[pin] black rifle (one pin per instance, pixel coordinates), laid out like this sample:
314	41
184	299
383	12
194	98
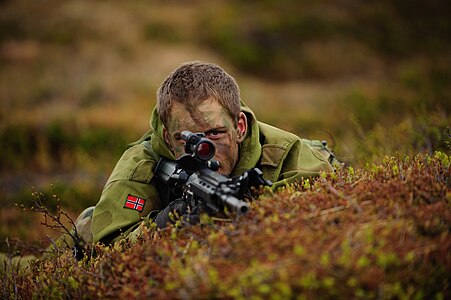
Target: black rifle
194	178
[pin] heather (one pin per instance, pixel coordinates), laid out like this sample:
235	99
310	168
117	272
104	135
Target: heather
378	232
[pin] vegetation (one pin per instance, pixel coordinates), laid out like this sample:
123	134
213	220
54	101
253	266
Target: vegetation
381	232
77	84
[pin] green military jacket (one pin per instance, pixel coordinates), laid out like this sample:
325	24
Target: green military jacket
130	193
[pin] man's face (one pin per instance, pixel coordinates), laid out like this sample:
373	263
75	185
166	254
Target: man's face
214	121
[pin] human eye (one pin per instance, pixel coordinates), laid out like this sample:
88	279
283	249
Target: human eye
214	133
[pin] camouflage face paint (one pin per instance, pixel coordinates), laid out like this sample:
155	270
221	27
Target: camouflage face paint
212	119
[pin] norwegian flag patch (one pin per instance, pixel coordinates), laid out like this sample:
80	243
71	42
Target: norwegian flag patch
134	203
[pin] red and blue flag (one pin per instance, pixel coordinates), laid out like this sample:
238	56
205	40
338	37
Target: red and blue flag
134	203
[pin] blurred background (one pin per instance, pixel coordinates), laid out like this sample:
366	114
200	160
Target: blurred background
78	82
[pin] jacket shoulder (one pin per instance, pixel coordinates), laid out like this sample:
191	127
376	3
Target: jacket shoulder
285	156
276	136
275	144
136	164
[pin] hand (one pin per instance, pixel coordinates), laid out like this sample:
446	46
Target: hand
192	215
178	210
171	213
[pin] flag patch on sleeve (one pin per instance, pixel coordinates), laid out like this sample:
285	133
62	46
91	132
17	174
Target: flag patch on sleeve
134	203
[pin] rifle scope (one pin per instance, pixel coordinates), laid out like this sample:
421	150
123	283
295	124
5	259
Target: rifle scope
198	145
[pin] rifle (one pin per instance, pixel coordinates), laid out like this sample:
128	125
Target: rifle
194	177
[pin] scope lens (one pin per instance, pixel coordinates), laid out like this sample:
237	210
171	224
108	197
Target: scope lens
204	151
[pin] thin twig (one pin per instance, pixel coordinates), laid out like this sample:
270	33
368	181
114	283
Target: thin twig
13	273
54	221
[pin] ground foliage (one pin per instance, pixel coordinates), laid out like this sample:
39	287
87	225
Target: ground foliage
78	82
382	231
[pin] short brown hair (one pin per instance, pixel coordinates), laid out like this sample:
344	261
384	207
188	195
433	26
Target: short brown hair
194	82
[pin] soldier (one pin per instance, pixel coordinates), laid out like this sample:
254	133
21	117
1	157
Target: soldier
199	97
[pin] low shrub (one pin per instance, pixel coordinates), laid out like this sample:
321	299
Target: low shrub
382	231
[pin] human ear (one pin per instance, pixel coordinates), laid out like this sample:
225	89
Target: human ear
167	138
241	127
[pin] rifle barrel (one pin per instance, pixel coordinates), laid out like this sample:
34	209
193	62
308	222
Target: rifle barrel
235	203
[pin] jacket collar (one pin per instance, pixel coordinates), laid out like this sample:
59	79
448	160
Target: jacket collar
250	148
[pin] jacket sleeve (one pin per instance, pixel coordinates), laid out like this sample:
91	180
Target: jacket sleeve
128	196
